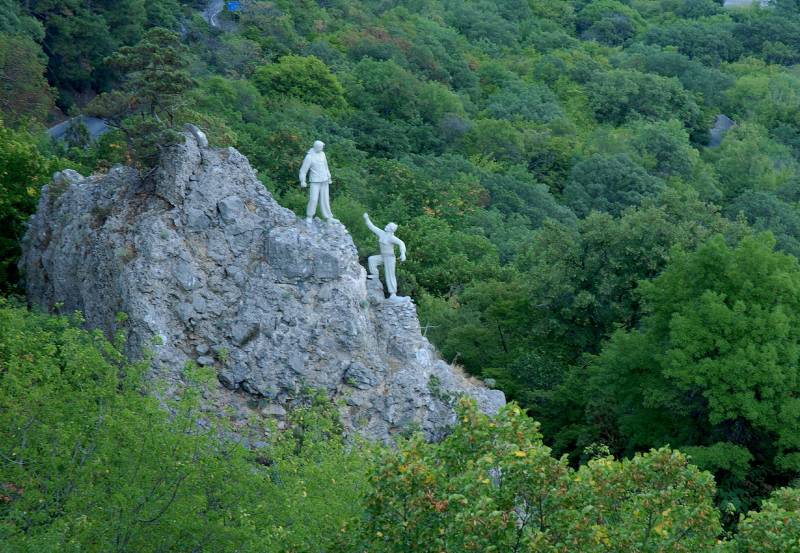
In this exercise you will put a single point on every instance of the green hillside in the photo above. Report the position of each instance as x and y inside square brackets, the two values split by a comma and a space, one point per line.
[581, 232]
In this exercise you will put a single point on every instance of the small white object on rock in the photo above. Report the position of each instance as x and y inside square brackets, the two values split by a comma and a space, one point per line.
[67, 177]
[199, 136]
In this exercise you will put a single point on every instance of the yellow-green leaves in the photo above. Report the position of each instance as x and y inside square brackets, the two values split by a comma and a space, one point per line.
[493, 486]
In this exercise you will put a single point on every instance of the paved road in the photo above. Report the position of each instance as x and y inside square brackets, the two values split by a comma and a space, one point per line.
[212, 11]
[96, 127]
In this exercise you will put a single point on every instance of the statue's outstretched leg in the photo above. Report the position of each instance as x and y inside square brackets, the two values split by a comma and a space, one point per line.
[373, 263]
[389, 265]
[389, 274]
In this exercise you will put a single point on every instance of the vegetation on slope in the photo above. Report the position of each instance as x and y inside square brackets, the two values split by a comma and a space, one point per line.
[571, 234]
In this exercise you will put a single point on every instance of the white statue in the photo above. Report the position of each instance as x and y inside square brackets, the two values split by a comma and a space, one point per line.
[387, 241]
[315, 168]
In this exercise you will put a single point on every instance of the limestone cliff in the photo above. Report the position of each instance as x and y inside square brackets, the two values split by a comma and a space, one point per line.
[208, 267]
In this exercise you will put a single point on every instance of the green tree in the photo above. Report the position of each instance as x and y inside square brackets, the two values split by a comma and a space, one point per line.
[482, 326]
[524, 101]
[664, 149]
[709, 39]
[13, 20]
[693, 75]
[78, 36]
[24, 92]
[305, 78]
[445, 258]
[609, 183]
[773, 529]
[750, 160]
[609, 21]
[385, 88]
[714, 361]
[497, 138]
[515, 193]
[156, 84]
[90, 459]
[77, 40]
[765, 211]
[492, 486]
[23, 171]
[620, 95]
[767, 99]
[760, 31]
[583, 279]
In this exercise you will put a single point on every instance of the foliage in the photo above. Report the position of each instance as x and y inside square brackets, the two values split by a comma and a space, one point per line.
[749, 160]
[768, 212]
[609, 184]
[493, 486]
[91, 460]
[530, 102]
[774, 529]
[24, 92]
[708, 39]
[13, 20]
[23, 171]
[305, 78]
[693, 75]
[78, 36]
[717, 351]
[621, 95]
[609, 21]
[157, 81]
[583, 279]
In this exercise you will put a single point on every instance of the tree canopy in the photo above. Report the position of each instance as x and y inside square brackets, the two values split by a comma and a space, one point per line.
[575, 236]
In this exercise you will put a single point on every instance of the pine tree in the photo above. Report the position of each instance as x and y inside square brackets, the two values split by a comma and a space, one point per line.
[153, 91]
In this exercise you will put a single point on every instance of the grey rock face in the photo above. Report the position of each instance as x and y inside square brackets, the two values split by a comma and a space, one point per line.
[722, 124]
[210, 269]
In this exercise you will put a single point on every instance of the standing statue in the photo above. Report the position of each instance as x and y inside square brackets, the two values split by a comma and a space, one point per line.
[387, 241]
[315, 167]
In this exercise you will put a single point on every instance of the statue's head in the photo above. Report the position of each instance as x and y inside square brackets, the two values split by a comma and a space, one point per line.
[318, 146]
[390, 228]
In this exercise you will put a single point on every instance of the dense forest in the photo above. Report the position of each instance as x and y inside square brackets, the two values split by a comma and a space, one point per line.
[584, 233]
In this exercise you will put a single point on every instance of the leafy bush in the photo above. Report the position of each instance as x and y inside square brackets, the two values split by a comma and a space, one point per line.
[610, 184]
[90, 459]
[774, 529]
[493, 486]
[719, 352]
[304, 78]
[24, 168]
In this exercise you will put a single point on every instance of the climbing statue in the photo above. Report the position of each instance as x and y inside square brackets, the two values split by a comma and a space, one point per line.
[315, 167]
[387, 241]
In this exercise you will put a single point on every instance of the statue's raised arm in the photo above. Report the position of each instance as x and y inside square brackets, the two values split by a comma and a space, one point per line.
[371, 226]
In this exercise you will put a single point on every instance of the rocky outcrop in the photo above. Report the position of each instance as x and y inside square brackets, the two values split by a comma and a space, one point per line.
[722, 124]
[209, 268]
